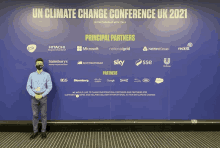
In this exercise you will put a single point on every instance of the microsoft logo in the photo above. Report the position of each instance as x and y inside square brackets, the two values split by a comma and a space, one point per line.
[79, 48]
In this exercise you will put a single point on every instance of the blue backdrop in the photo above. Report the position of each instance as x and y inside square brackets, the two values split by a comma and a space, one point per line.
[190, 87]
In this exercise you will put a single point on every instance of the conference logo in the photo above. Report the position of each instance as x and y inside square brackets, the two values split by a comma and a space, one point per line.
[81, 48]
[123, 80]
[56, 48]
[145, 62]
[58, 62]
[159, 80]
[147, 49]
[81, 80]
[145, 80]
[119, 62]
[167, 62]
[186, 48]
[110, 80]
[63, 80]
[137, 80]
[97, 80]
[31, 48]
[110, 72]
[81, 62]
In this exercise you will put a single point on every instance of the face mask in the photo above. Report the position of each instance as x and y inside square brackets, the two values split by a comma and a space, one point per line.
[39, 67]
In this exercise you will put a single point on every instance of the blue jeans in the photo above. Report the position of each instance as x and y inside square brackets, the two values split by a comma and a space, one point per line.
[36, 105]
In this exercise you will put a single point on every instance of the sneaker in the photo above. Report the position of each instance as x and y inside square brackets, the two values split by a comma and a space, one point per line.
[34, 135]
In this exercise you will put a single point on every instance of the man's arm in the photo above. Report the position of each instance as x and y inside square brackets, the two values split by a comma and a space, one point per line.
[49, 86]
[28, 87]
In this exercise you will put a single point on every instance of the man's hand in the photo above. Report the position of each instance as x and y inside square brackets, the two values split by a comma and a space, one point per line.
[38, 97]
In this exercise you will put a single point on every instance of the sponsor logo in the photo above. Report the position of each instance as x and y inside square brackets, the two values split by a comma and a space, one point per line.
[159, 80]
[167, 62]
[80, 48]
[97, 80]
[146, 80]
[81, 62]
[56, 48]
[145, 62]
[123, 80]
[137, 80]
[183, 48]
[110, 80]
[147, 49]
[110, 72]
[119, 62]
[58, 62]
[31, 47]
[186, 48]
[63, 80]
[122, 48]
[81, 80]
[138, 62]
[86, 48]
[190, 44]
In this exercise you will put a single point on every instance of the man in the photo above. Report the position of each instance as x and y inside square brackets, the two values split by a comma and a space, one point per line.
[38, 86]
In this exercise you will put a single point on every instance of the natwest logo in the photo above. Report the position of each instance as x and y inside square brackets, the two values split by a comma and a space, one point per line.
[119, 62]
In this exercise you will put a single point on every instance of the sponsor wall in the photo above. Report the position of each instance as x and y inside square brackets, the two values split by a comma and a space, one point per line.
[159, 75]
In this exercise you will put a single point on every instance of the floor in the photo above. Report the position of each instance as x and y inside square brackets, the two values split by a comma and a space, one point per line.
[112, 139]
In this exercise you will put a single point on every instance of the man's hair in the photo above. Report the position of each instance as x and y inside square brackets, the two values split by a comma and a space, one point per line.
[39, 59]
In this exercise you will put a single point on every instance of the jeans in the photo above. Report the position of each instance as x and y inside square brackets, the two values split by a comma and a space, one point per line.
[36, 105]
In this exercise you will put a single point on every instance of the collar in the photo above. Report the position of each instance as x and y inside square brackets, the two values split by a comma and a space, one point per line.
[41, 71]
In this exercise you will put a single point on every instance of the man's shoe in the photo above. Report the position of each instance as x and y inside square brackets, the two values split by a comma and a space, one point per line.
[34, 135]
[43, 135]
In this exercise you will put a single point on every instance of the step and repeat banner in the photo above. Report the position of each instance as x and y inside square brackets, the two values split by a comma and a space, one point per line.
[112, 60]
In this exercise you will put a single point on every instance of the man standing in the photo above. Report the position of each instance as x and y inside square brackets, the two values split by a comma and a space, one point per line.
[38, 86]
